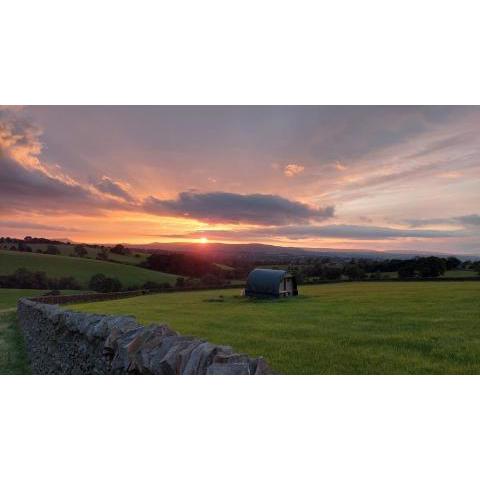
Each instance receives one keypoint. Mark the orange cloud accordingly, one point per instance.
(293, 169)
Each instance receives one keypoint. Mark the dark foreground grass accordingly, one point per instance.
(350, 328)
(13, 359)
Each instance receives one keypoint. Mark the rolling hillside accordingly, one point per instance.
(92, 252)
(81, 269)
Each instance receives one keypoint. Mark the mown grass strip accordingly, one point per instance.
(13, 357)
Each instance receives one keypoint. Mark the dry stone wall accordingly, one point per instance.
(60, 341)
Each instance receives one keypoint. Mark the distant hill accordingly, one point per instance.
(259, 250)
(81, 269)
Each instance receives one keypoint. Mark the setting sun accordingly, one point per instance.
(203, 240)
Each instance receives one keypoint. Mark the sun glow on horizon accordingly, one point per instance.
(203, 240)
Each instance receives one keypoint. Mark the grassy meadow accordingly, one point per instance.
(346, 328)
(9, 296)
(13, 358)
(447, 274)
(81, 269)
(92, 252)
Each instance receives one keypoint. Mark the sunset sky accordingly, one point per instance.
(386, 178)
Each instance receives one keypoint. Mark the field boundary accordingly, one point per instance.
(427, 279)
(96, 297)
(387, 280)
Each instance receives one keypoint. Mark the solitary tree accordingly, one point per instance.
(102, 255)
(453, 263)
(431, 266)
(333, 272)
(80, 250)
(100, 283)
(120, 250)
(52, 250)
(354, 272)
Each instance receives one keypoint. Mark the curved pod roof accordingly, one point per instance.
(264, 281)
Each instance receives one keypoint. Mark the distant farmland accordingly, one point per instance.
(349, 328)
(92, 252)
(81, 269)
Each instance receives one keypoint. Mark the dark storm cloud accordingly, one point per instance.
(223, 207)
(112, 187)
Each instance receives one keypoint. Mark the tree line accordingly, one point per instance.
(24, 278)
(361, 269)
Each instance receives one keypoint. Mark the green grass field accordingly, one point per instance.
(80, 268)
(448, 274)
(348, 328)
(460, 273)
(13, 359)
(9, 296)
(92, 252)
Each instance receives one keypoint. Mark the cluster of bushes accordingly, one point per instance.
(20, 246)
(24, 278)
(101, 283)
(474, 266)
(24, 247)
(181, 264)
(423, 267)
(51, 250)
(120, 250)
(322, 271)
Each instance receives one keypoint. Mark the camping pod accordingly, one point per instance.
(264, 282)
